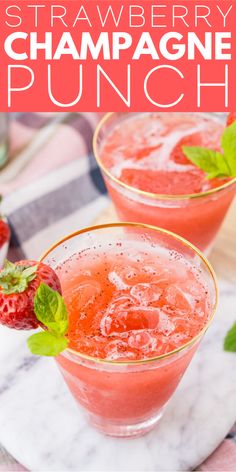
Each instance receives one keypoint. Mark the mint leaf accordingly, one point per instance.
(50, 309)
(228, 144)
(46, 344)
(211, 162)
(230, 340)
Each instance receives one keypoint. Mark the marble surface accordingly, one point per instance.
(42, 427)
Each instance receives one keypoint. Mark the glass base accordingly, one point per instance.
(124, 430)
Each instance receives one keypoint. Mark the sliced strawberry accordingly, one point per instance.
(231, 118)
(18, 285)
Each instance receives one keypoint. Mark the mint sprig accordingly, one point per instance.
(214, 163)
(46, 343)
(50, 310)
(230, 340)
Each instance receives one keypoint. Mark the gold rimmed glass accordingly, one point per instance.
(128, 398)
(196, 217)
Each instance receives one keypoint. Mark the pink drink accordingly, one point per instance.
(151, 181)
(128, 303)
(139, 301)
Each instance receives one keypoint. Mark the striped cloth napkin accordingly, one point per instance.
(52, 187)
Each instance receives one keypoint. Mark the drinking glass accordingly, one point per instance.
(128, 398)
(196, 217)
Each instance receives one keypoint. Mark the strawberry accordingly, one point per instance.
(18, 285)
(231, 118)
(4, 232)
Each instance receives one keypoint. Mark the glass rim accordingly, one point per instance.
(154, 196)
(98, 360)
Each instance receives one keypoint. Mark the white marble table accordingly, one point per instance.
(42, 427)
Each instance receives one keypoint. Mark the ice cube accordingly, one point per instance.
(83, 294)
(123, 315)
(185, 325)
(149, 315)
(143, 340)
(113, 321)
(146, 293)
(176, 297)
(165, 325)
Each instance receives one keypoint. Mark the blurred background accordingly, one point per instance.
(49, 180)
(33, 144)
